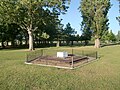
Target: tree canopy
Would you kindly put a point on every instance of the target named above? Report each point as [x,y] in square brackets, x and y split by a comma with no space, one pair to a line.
[31,14]
[94,14]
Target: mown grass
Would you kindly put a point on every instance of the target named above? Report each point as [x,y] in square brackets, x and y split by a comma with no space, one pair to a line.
[103,74]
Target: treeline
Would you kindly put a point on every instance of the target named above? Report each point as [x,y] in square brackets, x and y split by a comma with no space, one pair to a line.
[12,35]
[31,21]
[36,23]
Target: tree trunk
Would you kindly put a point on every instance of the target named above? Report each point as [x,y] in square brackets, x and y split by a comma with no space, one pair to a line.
[13,43]
[20,42]
[58,43]
[7,43]
[67,42]
[30,40]
[97,43]
[86,43]
[71,43]
[3,46]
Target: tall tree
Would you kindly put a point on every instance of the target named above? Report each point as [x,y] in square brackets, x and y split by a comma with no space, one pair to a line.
[118,36]
[118,18]
[59,33]
[28,14]
[86,34]
[112,36]
[3,34]
[68,33]
[94,14]
[105,37]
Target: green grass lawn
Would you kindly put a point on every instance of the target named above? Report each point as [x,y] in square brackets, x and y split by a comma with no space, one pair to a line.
[103,74]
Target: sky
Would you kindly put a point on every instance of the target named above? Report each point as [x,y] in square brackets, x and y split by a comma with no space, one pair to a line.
[73,16]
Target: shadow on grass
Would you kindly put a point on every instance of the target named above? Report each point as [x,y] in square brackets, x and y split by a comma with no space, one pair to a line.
[111,44]
[54,45]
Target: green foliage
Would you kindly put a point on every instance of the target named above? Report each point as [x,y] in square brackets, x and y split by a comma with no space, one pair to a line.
[105,36]
[45,36]
[69,32]
[34,16]
[86,35]
[58,34]
[94,14]
[108,36]
[112,36]
[118,36]
[26,12]
[3,32]
[118,18]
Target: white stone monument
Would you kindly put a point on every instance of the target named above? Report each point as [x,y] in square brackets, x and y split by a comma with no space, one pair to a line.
[62,54]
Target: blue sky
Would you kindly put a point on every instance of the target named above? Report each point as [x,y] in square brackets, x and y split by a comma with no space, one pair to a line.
[73,16]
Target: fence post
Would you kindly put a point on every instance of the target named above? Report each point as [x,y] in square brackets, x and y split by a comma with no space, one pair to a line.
[26,58]
[82,53]
[72,59]
[46,62]
[96,55]
[41,52]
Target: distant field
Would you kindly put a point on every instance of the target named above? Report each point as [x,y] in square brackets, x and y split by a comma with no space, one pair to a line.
[103,74]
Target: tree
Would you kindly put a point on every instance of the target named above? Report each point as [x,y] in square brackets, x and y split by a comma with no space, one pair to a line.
[105,37]
[109,36]
[118,18]
[3,34]
[86,34]
[94,14]
[3,23]
[68,33]
[13,32]
[28,14]
[59,33]
[112,36]
[77,38]
[118,36]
